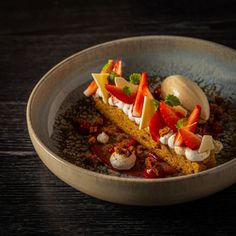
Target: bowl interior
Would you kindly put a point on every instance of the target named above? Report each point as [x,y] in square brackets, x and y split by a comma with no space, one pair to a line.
[208,63]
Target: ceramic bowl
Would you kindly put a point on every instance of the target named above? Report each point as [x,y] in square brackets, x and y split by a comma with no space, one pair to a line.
[207,62]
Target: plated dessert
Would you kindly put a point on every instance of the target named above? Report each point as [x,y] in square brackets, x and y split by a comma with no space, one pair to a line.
[167,121]
[142,126]
[64,124]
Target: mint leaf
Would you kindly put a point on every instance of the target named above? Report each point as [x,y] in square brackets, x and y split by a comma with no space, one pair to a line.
[180,124]
[135,78]
[172,100]
[127,90]
[111,77]
[156,104]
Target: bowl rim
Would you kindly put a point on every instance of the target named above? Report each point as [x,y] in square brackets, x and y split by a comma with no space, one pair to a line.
[56,157]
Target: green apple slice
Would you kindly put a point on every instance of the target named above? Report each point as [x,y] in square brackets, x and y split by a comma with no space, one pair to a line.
[101,80]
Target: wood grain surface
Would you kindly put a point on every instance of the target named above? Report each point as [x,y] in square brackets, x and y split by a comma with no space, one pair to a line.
[34,36]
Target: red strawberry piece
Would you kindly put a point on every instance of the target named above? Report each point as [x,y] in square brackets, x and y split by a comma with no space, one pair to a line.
[138,104]
[119,94]
[149,173]
[111,149]
[118,67]
[146,91]
[180,115]
[191,124]
[179,140]
[169,116]
[194,118]
[91,89]
[142,91]
[108,67]
[191,140]
[153,169]
[156,123]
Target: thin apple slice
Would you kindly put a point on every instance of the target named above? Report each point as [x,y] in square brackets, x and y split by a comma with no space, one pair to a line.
[120,82]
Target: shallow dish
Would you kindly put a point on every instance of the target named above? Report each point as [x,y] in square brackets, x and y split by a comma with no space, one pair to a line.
[210,63]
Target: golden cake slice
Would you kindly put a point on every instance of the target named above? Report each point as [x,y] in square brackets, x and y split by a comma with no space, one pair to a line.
[143,136]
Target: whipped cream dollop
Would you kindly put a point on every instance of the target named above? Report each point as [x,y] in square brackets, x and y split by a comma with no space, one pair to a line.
[171,140]
[164,139]
[180,150]
[192,155]
[103,138]
[122,162]
[126,108]
[98,93]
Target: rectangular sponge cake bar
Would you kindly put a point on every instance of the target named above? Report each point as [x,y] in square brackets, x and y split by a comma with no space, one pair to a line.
[143,136]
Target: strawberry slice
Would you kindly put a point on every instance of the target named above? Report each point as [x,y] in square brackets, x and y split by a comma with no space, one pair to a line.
[191,124]
[92,88]
[180,115]
[153,169]
[191,140]
[119,94]
[108,67]
[138,104]
[142,91]
[146,91]
[194,118]
[156,123]
[169,116]
[118,67]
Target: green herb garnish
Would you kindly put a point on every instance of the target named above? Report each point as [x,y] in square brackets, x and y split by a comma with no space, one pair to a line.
[107,65]
[172,100]
[156,104]
[181,123]
[135,78]
[127,90]
[111,77]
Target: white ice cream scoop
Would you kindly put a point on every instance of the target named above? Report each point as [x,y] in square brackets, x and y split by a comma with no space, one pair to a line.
[188,92]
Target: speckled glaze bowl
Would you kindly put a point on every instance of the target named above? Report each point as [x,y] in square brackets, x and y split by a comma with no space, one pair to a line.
[211,64]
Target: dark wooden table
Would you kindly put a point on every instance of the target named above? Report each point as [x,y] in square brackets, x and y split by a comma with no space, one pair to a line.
[34,36]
